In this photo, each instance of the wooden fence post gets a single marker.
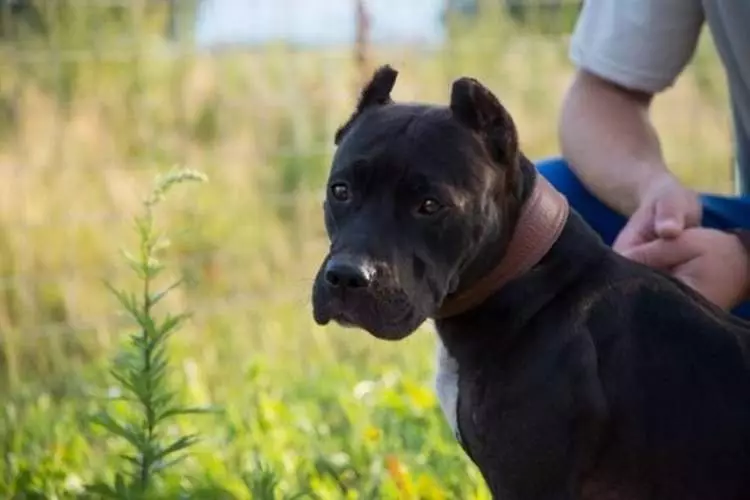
(362, 42)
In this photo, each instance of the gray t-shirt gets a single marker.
(645, 45)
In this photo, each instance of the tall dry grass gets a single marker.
(87, 123)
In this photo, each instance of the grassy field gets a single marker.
(86, 124)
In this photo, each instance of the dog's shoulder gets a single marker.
(632, 295)
(675, 371)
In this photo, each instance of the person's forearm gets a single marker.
(608, 140)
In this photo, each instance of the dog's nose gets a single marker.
(348, 273)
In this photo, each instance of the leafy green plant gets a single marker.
(262, 483)
(141, 369)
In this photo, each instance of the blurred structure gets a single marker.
(316, 23)
(362, 27)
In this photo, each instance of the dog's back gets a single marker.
(595, 377)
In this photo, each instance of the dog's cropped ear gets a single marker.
(377, 92)
(477, 108)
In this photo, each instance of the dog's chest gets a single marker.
(515, 423)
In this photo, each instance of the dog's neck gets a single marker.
(538, 223)
(496, 327)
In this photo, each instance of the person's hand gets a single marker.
(665, 210)
(713, 262)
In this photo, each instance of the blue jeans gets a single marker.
(719, 212)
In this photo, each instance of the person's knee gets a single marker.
(557, 171)
(600, 217)
(559, 174)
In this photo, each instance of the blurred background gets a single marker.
(98, 96)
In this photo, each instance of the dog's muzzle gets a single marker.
(350, 291)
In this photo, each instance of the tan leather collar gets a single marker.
(539, 226)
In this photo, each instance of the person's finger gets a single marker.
(637, 231)
(662, 254)
(669, 216)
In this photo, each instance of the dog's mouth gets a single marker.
(388, 317)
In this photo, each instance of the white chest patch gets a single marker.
(446, 386)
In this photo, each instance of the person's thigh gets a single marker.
(719, 212)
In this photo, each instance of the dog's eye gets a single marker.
(429, 206)
(340, 191)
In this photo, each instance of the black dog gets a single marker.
(578, 374)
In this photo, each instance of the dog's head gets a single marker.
(416, 195)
